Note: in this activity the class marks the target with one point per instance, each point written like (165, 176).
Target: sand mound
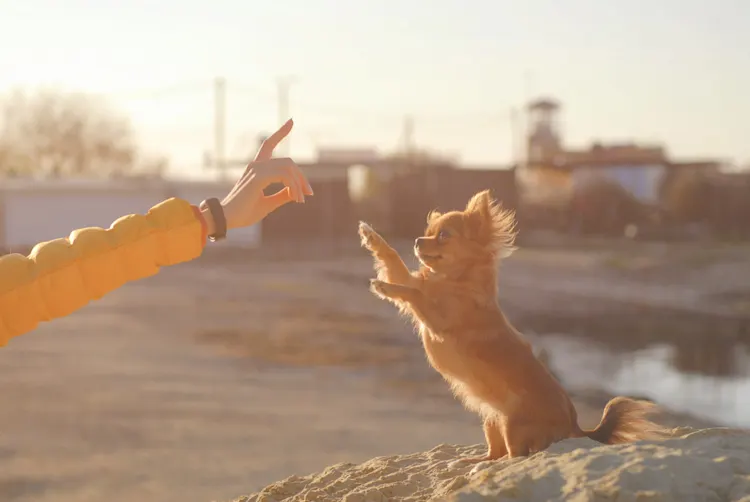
(695, 465)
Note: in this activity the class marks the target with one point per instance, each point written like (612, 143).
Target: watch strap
(217, 213)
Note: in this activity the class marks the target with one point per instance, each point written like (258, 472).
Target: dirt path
(103, 407)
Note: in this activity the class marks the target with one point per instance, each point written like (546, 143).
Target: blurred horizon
(658, 72)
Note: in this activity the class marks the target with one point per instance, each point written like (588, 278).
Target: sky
(670, 71)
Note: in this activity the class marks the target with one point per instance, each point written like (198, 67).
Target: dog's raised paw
(367, 234)
(378, 287)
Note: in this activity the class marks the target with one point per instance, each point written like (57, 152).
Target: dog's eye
(443, 235)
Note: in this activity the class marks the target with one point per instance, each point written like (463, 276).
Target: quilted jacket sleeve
(61, 276)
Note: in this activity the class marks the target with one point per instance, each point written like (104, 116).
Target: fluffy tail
(625, 420)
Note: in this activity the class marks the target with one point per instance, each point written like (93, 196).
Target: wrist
(208, 220)
(213, 213)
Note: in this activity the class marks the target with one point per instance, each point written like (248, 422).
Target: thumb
(272, 202)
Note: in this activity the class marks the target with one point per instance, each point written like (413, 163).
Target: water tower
(543, 141)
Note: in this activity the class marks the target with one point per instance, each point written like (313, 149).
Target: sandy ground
(694, 465)
(209, 381)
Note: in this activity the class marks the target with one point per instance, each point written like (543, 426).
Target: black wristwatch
(217, 213)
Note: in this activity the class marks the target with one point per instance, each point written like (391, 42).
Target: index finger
(270, 143)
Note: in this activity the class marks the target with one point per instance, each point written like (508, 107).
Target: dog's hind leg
(493, 434)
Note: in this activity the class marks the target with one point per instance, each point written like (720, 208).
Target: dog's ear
(479, 213)
(503, 231)
(432, 216)
(480, 204)
(493, 225)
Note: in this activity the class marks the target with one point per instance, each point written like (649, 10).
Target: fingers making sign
(246, 204)
(173, 231)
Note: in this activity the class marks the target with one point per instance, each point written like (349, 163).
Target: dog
(491, 368)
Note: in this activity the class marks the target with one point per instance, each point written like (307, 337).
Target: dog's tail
(625, 420)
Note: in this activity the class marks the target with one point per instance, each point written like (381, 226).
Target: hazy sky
(676, 71)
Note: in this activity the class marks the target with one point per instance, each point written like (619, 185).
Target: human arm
(61, 276)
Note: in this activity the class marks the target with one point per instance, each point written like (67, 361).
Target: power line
(469, 123)
(250, 89)
(461, 119)
(281, 96)
(407, 136)
(354, 113)
(368, 114)
(515, 135)
(162, 92)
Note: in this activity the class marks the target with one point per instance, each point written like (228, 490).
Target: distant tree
(154, 167)
(61, 134)
(12, 161)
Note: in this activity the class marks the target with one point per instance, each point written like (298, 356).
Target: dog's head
(480, 234)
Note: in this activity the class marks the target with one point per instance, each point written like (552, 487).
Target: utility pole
(408, 136)
(528, 85)
(219, 160)
(529, 90)
(515, 135)
(282, 85)
(220, 104)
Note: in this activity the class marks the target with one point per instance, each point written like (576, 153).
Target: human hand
(246, 204)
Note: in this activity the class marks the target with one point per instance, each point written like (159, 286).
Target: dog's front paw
(369, 237)
(380, 288)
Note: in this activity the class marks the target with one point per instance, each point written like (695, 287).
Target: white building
(33, 211)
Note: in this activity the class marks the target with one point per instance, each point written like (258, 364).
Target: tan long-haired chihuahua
(452, 299)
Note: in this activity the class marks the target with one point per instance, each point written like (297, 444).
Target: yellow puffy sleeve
(61, 276)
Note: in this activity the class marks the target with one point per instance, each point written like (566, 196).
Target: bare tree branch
(64, 134)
